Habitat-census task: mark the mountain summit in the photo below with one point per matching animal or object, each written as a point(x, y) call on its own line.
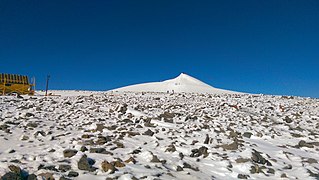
point(182, 83)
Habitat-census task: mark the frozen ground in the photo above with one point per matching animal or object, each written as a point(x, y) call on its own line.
point(94, 135)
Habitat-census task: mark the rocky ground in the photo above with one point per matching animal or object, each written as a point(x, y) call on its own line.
point(159, 136)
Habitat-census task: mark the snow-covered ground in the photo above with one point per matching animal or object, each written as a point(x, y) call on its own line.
point(95, 135)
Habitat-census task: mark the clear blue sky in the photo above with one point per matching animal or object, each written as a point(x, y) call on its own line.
point(264, 46)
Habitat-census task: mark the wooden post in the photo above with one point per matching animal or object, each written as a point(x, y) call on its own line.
point(47, 85)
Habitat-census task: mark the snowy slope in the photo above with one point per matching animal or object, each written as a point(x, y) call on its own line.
point(159, 136)
point(182, 83)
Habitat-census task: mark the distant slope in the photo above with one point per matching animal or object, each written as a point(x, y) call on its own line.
point(182, 83)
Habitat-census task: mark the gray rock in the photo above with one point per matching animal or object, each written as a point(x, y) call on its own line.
point(69, 153)
point(85, 164)
point(11, 176)
point(243, 176)
point(148, 133)
point(73, 174)
point(100, 151)
point(32, 177)
point(64, 167)
point(247, 134)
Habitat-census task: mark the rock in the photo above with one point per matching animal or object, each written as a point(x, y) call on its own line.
point(303, 143)
point(69, 153)
point(121, 108)
point(243, 176)
point(257, 158)
point(119, 145)
point(198, 152)
point(32, 177)
point(241, 160)
point(83, 149)
point(103, 139)
point(283, 175)
point(170, 148)
point(11, 176)
point(28, 114)
point(155, 159)
point(271, 171)
point(108, 167)
point(179, 168)
point(148, 133)
point(186, 165)
point(85, 164)
point(73, 174)
point(15, 169)
point(129, 160)
point(47, 176)
point(3, 127)
point(181, 155)
point(100, 151)
point(311, 161)
point(42, 133)
point(247, 134)
point(118, 164)
point(99, 127)
point(32, 124)
point(24, 138)
point(64, 178)
point(233, 146)
point(167, 115)
point(64, 167)
point(287, 120)
point(48, 167)
point(206, 141)
point(255, 169)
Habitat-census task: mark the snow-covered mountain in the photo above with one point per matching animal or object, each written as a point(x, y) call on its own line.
point(182, 83)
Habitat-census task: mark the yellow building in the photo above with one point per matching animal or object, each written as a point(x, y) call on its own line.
point(12, 83)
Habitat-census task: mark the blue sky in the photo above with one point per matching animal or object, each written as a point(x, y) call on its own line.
point(266, 46)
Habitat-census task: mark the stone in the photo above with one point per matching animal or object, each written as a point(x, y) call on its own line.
point(206, 141)
point(73, 174)
point(232, 146)
point(83, 149)
point(179, 168)
point(303, 143)
point(247, 134)
point(69, 153)
point(170, 148)
point(155, 159)
point(32, 124)
point(83, 163)
point(64, 167)
point(186, 165)
point(287, 120)
point(129, 160)
point(118, 164)
point(271, 171)
point(108, 167)
point(11, 176)
point(100, 151)
point(243, 176)
point(24, 138)
point(47, 176)
point(14, 169)
point(198, 152)
point(103, 140)
point(242, 160)
point(257, 158)
point(148, 133)
point(32, 177)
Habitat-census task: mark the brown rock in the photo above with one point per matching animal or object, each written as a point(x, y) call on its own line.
point(108, 167)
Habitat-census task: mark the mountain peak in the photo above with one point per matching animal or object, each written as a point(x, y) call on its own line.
point(182, 83)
